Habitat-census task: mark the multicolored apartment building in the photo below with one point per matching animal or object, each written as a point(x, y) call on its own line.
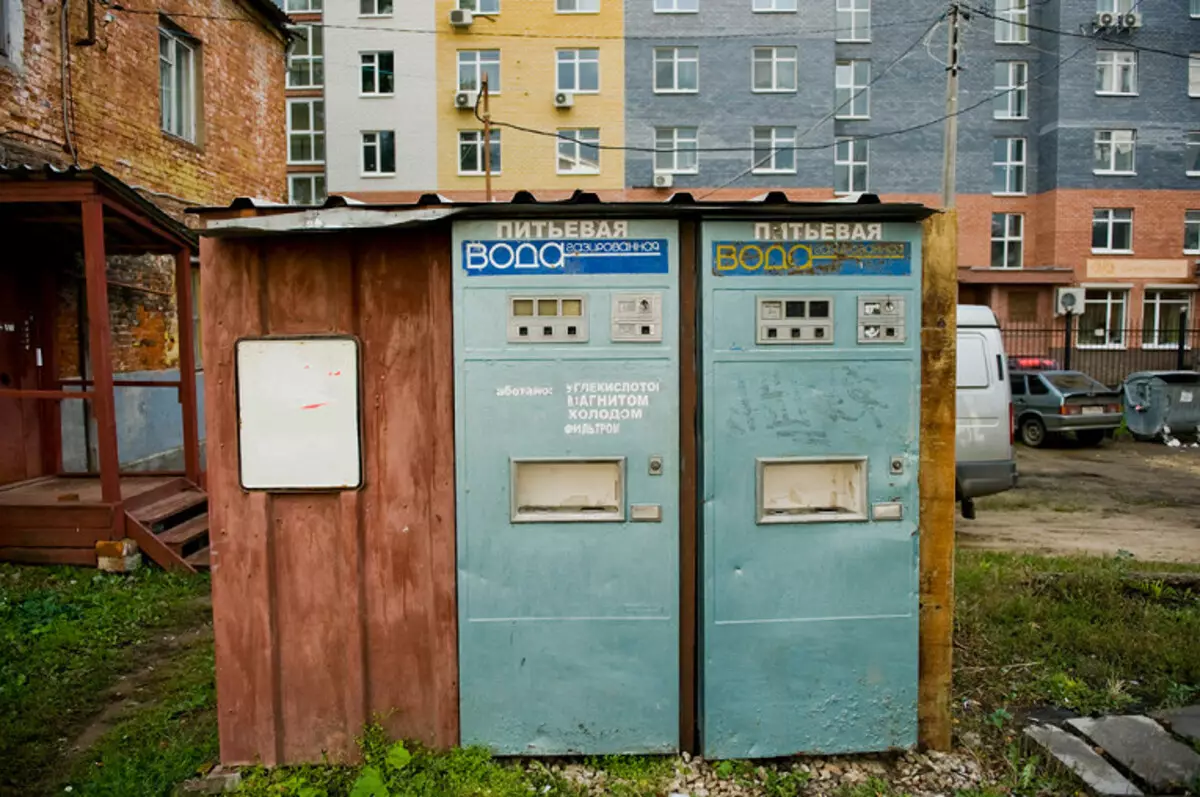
point(1079, 121)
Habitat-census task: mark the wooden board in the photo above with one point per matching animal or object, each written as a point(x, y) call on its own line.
point(50, 556)
point(81, 537)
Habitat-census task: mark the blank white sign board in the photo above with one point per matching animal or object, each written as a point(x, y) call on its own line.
point(298, 419)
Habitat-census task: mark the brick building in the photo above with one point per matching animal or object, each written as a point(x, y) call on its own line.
point(183, 102)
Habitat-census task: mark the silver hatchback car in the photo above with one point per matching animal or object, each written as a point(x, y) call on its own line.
point(1055, 402)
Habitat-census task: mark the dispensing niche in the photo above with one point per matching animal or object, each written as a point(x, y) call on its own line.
point(568, 490)
point(812, 490)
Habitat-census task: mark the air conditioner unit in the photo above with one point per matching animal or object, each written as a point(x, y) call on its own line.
point(664, 180)
point(465, 100)
point(1105, 20)
point(1132, 20)
point(1069, 301)
point(461, 17)
point(564, 99)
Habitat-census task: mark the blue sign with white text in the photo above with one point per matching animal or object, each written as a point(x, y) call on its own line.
point(812, 258)
point(548, 256)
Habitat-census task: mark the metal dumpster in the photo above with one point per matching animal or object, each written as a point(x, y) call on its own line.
point(1162, 401)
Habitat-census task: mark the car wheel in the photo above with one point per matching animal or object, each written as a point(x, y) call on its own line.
point(1033, 432)
point(1091, 437)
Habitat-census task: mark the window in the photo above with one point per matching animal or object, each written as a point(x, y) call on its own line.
point(470, 152)
point(177, 84)
point(1162, 312)
point(579, 71)
point(852, 94)
point(1114, 152)
point(303, 5)
point(1116, 72)
point(378, 73)
point(1194, 74)
point(480, 6)
point(473, 64)
point(374, 8)
point(1012, 21)
point(972, 365)
point(379, 152)
point(1112, 230)
point(4, 34)
point(577, 6)
point(1023, 306)
point(676, 150)
point(1114, 6)
point(676, 6)
point(774, 5)
point(1038, 386)
point(1008, 166)
point(676, 70)
point(1017, 382)
point(1195, 10)
point(1008, 240)
point(581, 154)
point(1191, 232)
point(1103, 319)
point(850, 165)
point(306, 67)
point(774, 150)
point(1012, 87)
point(774, 69)
point(853, 21)
point(306, 189)
point(306, 131)
point(1192, 154)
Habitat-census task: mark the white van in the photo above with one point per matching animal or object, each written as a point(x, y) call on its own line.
point(985, 463)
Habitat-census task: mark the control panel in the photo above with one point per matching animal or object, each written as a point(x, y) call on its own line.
point(795, 320)
point(637, 317)
point(881, 319)
point(547, 319)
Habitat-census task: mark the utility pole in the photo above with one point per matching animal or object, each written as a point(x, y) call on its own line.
point(487, 141)
point(950, 143)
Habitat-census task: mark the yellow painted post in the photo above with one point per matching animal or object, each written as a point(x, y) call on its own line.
point(939, 300)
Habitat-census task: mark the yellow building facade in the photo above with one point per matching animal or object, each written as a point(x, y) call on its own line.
point(531, 40)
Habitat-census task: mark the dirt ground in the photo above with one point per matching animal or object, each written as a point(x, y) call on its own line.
point(1143, 498)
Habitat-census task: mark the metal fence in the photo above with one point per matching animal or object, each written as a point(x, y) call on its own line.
point(1108, 354)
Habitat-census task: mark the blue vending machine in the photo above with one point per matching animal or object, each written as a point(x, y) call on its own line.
point(567, 424)
point(811, 371)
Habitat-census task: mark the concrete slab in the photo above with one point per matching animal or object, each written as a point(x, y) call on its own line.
point(1183, 722)
point(1142, 746)
point(1071, 751)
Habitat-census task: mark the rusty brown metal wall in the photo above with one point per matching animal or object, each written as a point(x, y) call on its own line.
point(330, 609)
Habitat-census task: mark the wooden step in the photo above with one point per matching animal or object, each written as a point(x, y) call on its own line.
point(189, 530)
point(199, 559)
point(155, 513)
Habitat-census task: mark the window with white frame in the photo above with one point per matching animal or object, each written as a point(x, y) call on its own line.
point(378, 152)
point(306, 131)
point(1112, 230)
point(1114, 6)
point(852, 90)
point(579, 151)
point(774, 150)
point(675, 150)
point(773, 69)
point(303, 6)
point(577, 6)
point(1008, 240)
point(1191, 232)
point(774, 5)
point(378, 74)
point(306, 58)
point(1114, 152)
point(1008, 165)
point(484, 7)
point(850, 157)
point(1103, 321)
point(374, 8)
point(853, 21)
point(4, 30)
point(1162, 312)
point(473, 64)
point(676, 6)
point(676, 70)
point(1194, 74)
point(1011, 81)
point(306, 189)
point(470, 152)
point(1012, 21)
point(1191, 155)
point(1116, 72)
point(177, 83)
point(578, 71)
point(1195, 9)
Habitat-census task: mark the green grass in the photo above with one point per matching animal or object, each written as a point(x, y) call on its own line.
point(66, 634)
